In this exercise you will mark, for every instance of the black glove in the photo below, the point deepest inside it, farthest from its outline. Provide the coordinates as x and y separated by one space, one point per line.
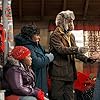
83 49
73 49
91 61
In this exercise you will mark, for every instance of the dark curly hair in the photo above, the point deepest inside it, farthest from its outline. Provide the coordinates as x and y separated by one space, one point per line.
29 30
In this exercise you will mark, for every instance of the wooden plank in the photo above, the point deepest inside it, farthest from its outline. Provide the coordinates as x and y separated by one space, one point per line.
20 10
64 4
85 8
42 8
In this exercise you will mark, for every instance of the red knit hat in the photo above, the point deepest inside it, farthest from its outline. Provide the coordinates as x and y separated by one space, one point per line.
20 52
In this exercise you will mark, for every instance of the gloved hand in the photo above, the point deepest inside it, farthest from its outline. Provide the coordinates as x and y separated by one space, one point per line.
83 49
96 55
40 95
50 56
91 61
45 98
72 49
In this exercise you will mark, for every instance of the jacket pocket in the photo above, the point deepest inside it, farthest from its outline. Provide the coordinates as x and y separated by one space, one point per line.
59 71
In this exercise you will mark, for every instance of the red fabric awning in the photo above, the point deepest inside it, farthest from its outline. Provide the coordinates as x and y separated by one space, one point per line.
87 27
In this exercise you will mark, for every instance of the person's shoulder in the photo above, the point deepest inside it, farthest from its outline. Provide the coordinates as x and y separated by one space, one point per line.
53 34
11 64
17 35
12 61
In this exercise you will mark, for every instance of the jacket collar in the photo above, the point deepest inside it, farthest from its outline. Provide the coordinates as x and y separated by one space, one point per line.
66 36
60 30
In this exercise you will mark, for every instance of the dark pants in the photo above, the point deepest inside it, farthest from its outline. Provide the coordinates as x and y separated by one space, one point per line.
61 90
97 88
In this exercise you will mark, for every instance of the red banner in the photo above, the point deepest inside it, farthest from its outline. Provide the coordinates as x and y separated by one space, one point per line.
87 27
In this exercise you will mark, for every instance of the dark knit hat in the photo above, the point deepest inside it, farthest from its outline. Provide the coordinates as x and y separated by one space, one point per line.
20 52
29 30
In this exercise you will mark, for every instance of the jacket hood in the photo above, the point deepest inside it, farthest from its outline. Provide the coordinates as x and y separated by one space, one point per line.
64 15
21 40
10 63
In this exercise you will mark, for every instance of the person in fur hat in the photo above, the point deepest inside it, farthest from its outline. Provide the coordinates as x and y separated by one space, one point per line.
64 49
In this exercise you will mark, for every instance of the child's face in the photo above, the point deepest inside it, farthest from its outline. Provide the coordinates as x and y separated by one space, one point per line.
28 60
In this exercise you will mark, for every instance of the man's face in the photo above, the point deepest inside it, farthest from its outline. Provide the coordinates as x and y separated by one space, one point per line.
68 24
